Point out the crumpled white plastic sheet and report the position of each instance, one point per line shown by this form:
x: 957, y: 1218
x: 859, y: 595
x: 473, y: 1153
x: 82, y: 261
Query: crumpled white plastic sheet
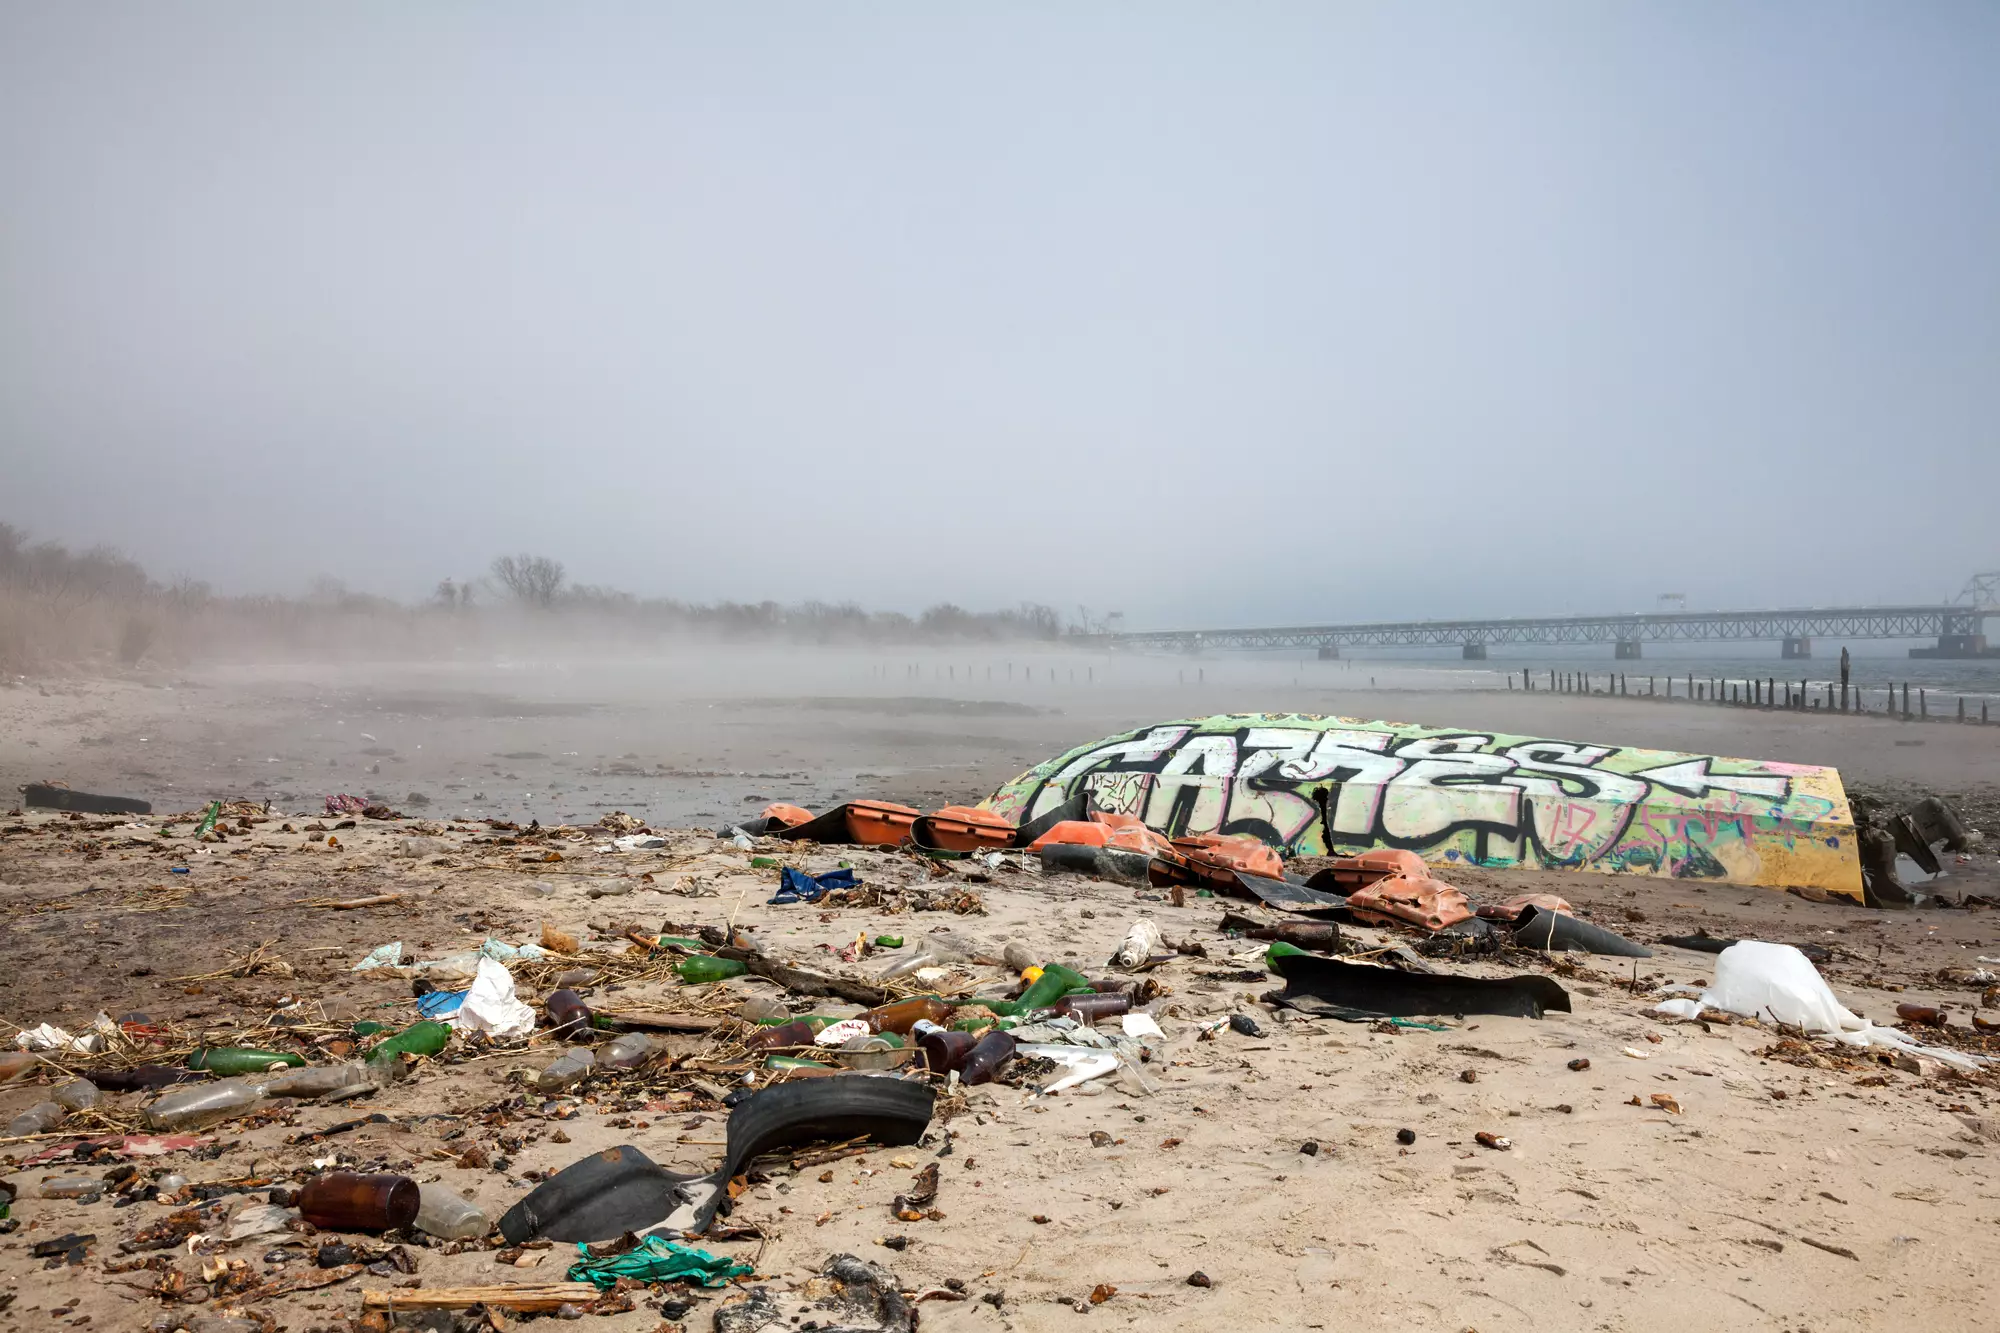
x: 1083, y: 1063
x: 1777, y: 982
x: 492, y: 1007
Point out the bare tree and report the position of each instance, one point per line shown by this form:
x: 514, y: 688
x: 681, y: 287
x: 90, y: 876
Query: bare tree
x: 532, y: 580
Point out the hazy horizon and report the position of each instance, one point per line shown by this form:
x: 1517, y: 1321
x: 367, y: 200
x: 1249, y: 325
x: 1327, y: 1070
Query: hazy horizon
x: 1281, y: 313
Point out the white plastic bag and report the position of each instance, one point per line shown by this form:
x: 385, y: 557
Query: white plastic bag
x: 491, y: 1006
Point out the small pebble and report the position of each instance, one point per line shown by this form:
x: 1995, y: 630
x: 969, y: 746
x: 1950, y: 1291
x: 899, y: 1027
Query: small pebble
x: 1406, y: 1137
x: 1199, y: 1279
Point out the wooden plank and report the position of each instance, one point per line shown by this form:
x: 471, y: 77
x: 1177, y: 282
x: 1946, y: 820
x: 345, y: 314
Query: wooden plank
x: 544, y: 1297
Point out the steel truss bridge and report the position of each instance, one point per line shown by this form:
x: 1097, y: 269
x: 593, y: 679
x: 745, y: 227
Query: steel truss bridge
x: 1958, y: 629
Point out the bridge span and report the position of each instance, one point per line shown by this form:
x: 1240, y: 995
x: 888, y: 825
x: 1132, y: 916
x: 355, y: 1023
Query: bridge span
x: 1958, y: 629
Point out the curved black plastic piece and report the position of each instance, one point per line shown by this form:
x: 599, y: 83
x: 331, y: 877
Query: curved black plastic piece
x: 621, y: 1189
x: 1393, y: 994
x: 43, y: 796
x: 1076, y: 807
x: 1112, y: 863
x: 830, y: 827
x: 1290, y: 895
x: 1705, y: 943
x: 1539, y: 928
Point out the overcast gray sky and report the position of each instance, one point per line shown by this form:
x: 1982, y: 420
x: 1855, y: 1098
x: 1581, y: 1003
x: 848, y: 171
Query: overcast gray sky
x: 1205, y: 312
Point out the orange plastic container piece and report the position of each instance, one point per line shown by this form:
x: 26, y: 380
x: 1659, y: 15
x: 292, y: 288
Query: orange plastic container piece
x: 1112, y: 819
x: 879, y: 823
x: 1242, y: 852
x: 1430, y: 903
x: 964, y: 828
x: 1133, y: 837
x: 1353, y: 872
x: 786, y: 816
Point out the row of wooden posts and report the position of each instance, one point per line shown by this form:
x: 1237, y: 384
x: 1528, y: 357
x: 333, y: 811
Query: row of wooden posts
x: 1767, y: 693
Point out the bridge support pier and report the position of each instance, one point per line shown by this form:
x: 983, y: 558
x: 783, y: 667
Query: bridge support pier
x: 1796, y: 648
x: 1329, y: 652
x: 1627, y: 650
x: 1957, y: 645
x: 1474, y: 652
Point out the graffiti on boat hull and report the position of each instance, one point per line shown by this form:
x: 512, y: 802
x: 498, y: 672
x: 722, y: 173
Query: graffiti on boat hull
x: 1318, y: 785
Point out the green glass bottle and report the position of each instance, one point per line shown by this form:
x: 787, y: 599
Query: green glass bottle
x: 229, y: 1061
x: 1280, y: 949
x: 703, y: 967
x: 425, y: 1038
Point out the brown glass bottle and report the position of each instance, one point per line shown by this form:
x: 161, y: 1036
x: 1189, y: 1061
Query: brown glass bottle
x: 568, y: 1014
x: 1921, y: 1014
x: 984, y: 1059
x: 798, y: 1032
x: 946, y: 1051
x: 1090, y: 1008
x: 903, y: 1014
x: 345, y: 1201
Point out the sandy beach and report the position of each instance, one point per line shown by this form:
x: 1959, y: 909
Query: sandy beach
x: 1796, y: 1185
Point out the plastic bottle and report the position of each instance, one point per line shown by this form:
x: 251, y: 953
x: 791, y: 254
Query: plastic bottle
x: 569, y: 1067
x: 924, y: 957
x: 944, y: 1051
x: 1019, y: 957
x: 985, y: 1058
x: 317, y: 1082
x: 205, y: 1104
x: 345, y: 1201
x: 17, y: 1064
x: 425, y: 1038
x: 899, y: 1016
x: 229, y: 1061
x: 84, y: 1189
x: 1089, y: 1009
x: 702, y: 968
x: 626, y: 1052
x: 567, y: 1012
x: 446, y: 1215
x: 37, y: 1119
x: 78, y: 1094
x: 798, y: 1032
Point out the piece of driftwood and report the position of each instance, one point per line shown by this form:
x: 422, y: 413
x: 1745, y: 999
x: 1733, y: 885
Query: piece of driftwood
x: 544, y: 1297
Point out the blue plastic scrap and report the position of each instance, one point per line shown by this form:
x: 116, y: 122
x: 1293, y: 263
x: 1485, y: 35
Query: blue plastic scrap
x: 796, y: 886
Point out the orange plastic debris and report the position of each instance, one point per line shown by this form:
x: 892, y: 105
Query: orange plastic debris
x: 1430, y: 903
x: 1226, y: 854
x: 1135, y: 837
x: 963, y: 828
x: 879, y: 823
x: 1353, y: 872
x: 786, y: 816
